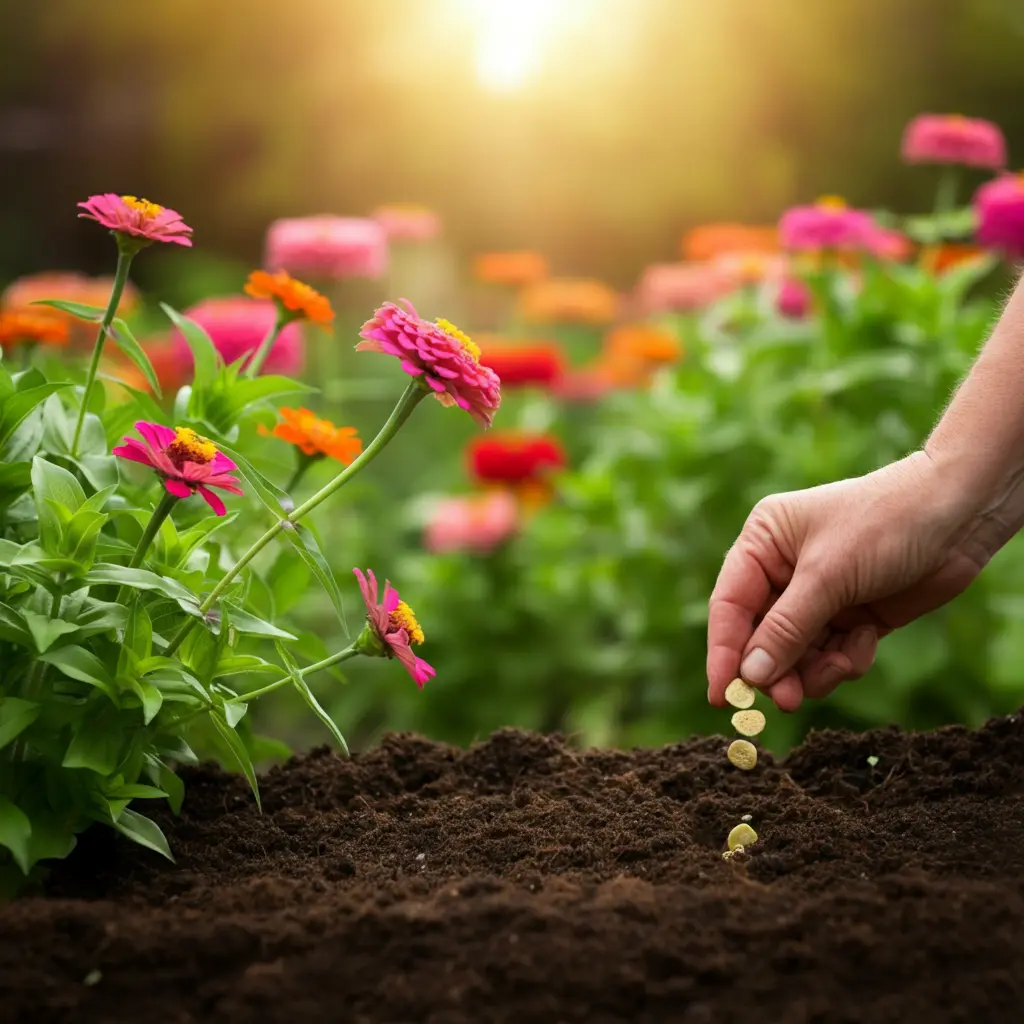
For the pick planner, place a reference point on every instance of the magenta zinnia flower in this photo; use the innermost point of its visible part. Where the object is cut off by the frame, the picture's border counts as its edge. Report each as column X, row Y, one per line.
column 953, row 139
column 408, row 223
column 187, row 462
column 327, row 247
column 828, row 224
column 793, row 300
column 392, row 627
column 439, row 353
column 138, row 218
column 999, row 205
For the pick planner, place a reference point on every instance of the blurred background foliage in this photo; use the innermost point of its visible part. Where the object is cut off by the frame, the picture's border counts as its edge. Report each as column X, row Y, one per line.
column 643, row 119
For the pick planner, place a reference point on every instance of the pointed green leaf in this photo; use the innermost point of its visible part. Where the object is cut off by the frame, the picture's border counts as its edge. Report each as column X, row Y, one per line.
column 307, row 694
column 143, row 579
column 94, row 314
column 96, row 744
column 250, row 625
column 242, row 664
column 45, row 630
column 126, row 342
column 16, row 715
column 275, row 500
column 15, row 833
column 204, row 352
column 20, row 404
column 144, row 831
column 305, row 543
column 234, row 748
column 82, row 665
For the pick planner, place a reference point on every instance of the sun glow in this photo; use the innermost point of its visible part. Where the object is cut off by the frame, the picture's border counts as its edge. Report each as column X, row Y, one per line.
column 513, row 37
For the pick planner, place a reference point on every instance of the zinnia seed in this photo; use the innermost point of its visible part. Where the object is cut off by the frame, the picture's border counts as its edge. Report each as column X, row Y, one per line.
column 743, row 754
column 741, row 836
column 740, row 694
column 748, row 723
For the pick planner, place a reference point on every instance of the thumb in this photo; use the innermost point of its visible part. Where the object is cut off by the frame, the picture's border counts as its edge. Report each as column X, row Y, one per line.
column 786, row 632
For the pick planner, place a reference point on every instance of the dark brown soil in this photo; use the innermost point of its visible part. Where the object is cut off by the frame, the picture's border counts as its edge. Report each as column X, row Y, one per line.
column 522, row 881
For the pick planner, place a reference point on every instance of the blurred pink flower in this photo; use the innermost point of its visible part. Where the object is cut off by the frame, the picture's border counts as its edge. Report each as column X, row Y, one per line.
column 406, row 222
column 827, row 224
column 327, row 247
column 138, row 218
column 953, row 139
column 237, row 325
column 187, row 462
column 888, row 244
column 999, row 206
column 794, row 299
column 477, row 522
column 394, row 627
column 682, row 287
column 752, row 267
column 439, row 353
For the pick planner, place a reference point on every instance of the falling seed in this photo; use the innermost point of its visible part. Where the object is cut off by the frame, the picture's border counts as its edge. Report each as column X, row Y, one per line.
column 742, row 754
column 872, row 760
column 741, row 836
column 94, row 977
column 748, row 723
column 740, row 694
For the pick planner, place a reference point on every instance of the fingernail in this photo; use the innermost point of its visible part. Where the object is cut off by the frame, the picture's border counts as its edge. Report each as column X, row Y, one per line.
column 863, row 640
column 757, row 667
column 832, row 676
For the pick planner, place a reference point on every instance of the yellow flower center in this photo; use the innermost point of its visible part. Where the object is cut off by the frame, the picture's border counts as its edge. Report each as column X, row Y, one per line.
column 403, row 618
column 143, row 206
column 188, row 446
column 470, row 347
column 832, row 202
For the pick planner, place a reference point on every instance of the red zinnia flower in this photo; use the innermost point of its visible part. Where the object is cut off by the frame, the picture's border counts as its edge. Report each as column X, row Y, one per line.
column 538, row 363
column 513, row 457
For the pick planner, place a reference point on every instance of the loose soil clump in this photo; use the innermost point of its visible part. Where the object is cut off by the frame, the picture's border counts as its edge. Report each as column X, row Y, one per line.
column 524, row 881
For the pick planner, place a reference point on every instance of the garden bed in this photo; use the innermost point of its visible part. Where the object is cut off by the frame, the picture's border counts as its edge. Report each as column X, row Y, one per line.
column 524, row 881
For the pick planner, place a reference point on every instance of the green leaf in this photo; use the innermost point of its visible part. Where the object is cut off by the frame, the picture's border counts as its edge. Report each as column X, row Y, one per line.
column 138, row 791
column 82, row 665
column 273, row 498
column 201, row 532
column 307, row 694
column 204, row 352
column 232, row 745
column 15, row 833
column 160, row 773
column 138, row 631
column 144, row 831
column 96, row 744
column 94, row 314
column 305, row 543
column 126, row 342
column 250, row 625
column 288, row 580
column 242, row 664
column 16, row 715
column 14, row 628
column 240, row 394
column 45, row 630
column 19, row 405
column 143, row 579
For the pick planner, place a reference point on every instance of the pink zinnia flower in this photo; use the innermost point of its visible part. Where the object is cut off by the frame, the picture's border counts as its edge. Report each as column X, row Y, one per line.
column 953, row 139
column 137, row 218
column 888, row 244
column 236, row 326
column 445, row 358
column 187, row 462
column 999, row 205
column 408, row 222
column 828, row 224
column 478, row 522
column 393, row 627
column 327, row 247
column 794, row 299
column 682, row 287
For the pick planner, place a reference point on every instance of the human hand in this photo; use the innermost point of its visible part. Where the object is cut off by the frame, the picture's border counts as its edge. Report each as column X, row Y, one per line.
column 817, row 576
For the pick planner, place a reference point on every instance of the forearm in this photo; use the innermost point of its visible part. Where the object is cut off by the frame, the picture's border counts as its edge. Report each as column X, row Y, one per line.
column 978, row 444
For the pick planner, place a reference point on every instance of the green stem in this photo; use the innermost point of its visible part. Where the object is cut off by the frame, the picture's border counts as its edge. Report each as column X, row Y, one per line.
column 305, row 461
column 411, row 397
column 257, row 361
column 156, row 520
column 334, row 659
column 945, row 193
column 124, row 261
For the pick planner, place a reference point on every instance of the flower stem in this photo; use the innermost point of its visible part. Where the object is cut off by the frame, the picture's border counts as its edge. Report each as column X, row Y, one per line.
column 334, row 659
column 945, row 193
column 124, row 261
column 305, row 461
column 156, row 520
column 260, row 356
column 411, row 397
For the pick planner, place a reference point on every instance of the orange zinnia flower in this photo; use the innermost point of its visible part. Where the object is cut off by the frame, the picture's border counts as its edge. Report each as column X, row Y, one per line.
column 31, row 328
column 940, row 258
column 649, row 344
column 512, row 269
column 710, row 241
column 315, row 437
column 569, row 301
column 298, row 300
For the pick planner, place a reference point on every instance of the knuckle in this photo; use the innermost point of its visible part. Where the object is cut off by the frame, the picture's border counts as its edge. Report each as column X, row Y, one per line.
column 784, row 627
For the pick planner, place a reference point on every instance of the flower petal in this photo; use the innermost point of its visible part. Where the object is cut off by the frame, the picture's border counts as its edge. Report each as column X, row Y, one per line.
column 134, row 452
column 212, row 500
column 156, row 435
column 178, row 488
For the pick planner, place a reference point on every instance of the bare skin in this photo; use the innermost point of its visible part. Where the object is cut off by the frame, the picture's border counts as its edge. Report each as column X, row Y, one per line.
column 817, row 577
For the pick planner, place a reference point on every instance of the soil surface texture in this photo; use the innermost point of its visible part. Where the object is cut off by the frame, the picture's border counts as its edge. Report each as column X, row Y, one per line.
column 524, row 881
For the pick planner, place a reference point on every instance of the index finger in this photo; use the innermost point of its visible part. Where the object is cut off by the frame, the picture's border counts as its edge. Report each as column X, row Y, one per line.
column 741, row 592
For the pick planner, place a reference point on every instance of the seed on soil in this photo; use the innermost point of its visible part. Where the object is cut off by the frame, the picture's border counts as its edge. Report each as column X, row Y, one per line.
column 743, row 754
column 747, row 817
column 729, row 854
column 741, row 836
column 748, row 723
column 740, row 694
